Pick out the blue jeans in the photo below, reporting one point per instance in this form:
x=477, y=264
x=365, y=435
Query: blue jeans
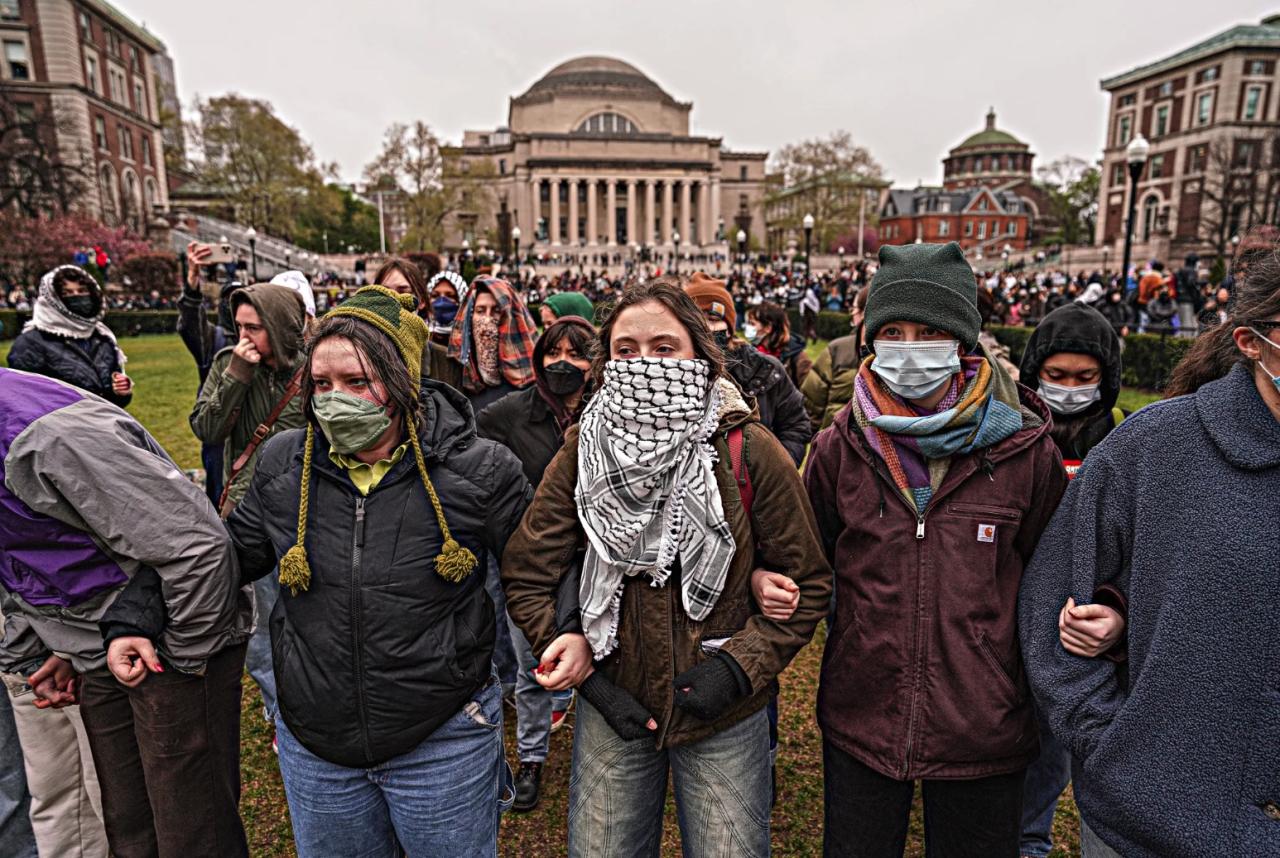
x=444, y=797
x=618, y=788
x=504, y=653
x=1046, y=779
x=16, y=837
x=533, y=704
x=257, y=658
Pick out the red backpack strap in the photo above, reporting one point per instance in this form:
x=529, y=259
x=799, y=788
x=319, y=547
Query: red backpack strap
x=741, y=475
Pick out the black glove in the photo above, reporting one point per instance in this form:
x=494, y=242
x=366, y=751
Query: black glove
x=710, y=689
x=620, y=710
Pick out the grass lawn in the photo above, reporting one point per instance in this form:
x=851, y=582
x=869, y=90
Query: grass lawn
x=166, y=387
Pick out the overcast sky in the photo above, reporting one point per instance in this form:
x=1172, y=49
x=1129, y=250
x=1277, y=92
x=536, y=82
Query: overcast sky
x=909, y=78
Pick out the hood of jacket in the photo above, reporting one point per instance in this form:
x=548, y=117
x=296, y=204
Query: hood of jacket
x=1081, y=330
x=283, y=314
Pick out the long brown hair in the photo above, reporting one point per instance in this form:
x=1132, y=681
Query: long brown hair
x=411, y=272
x=1254, y=297
x=779, y=324
x=667, y=292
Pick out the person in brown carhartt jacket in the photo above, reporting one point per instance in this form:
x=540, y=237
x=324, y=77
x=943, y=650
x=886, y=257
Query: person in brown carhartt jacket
x=684, y=693
x=931, y=492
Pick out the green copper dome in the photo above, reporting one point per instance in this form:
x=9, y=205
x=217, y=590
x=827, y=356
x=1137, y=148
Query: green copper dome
x=990, y=136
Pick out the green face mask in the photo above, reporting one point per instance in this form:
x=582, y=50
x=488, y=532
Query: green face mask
x=350, y=423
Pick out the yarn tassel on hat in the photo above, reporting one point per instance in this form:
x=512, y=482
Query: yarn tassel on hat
x=455, y=561
x=295, y=571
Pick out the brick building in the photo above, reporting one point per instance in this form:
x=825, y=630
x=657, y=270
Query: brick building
x=1211, y=113
x=987, y=201
x=88, y=73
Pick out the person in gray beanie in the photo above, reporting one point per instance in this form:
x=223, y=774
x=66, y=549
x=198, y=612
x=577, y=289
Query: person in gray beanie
x=931, y=490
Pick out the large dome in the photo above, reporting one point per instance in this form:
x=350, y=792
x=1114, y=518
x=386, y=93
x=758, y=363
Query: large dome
x=990, y=136
x=594, y=73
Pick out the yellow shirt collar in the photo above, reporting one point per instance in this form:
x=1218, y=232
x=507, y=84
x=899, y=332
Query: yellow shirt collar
x=365, y=477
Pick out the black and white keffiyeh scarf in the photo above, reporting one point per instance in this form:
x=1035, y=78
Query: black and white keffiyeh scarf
x=647, y=491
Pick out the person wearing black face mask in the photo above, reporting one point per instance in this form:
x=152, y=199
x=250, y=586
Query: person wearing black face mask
x=759, y=375
x=66, y=338
x=1118, y=312
x=531, y=423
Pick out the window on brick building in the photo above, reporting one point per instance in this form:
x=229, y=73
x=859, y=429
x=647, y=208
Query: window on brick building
x=982, y=229
x=944, y=228
x=86, y=27
x=9, y=9
x=125, y=137
x=1207, y=75
x=1012, y=228
x=91, y=74
x=1257, y=67
x=1124, y=130
x=1245, y=154
x=15, y=56
x=968, y=227
x=1252, y=101
x=1204, y=108
x=1128, y=99
x=742, y=173
x=1117, y=173
x=115, y=78
x=100, y=132
x=1162, y=121
x=134, y=62
x=139, y=98
x=25, y=113
x=146, y=151
x=1156, y=166
x=1197, y=157
x=113, y=42
x=1166, y=89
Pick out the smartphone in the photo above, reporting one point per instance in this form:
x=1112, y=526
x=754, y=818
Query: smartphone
x=219, y=254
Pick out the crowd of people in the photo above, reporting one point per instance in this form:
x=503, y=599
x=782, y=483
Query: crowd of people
x=635, y=501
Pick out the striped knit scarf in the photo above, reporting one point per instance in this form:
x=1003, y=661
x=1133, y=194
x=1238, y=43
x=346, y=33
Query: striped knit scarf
x=980, y=408
x=517, y=333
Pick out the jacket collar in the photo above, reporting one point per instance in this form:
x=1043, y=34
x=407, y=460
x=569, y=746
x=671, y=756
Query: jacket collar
x=1239, y=422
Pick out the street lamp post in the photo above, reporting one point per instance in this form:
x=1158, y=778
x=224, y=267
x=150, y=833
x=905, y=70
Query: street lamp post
x=742, y=255
x=288, y=259
x=808, y=239
x=675, y=240
x=252, y=235
x=1136, y=154
x=515, y=244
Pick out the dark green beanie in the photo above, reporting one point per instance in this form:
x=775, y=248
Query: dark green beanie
x=571, y=304
x=931, y=284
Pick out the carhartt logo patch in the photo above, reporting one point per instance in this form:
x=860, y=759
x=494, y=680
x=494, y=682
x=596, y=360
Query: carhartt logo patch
x=986, y=533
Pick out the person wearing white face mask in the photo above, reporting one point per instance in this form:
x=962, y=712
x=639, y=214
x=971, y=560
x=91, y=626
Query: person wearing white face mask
x=1074, y=356
x=931, y=489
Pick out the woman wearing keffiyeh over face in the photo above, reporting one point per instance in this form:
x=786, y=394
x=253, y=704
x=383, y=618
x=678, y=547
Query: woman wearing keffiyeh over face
x=492, y=339
x=932, y=488
x=673, y=659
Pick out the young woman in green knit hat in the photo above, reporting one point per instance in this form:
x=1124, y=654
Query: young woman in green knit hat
x=381, y=514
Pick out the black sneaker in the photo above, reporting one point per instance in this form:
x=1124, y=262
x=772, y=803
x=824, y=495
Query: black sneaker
x=528, y=779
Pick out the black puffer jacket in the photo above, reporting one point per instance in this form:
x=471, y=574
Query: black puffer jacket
x=781, y=405
x=87, y=363
x=380, y=650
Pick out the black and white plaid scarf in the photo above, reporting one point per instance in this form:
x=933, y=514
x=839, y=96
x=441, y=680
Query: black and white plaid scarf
x=647, y=491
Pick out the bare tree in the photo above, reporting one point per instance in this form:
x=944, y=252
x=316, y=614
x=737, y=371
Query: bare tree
x=1235, y=189
x=35, y=178
x=829, y=176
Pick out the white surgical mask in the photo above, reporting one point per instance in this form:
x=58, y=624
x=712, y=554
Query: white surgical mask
x=749, y=331
x=1064, y=400
x=1275, y=379
x=915, y=370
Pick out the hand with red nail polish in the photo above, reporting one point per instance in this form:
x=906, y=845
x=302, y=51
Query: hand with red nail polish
x=130, y=658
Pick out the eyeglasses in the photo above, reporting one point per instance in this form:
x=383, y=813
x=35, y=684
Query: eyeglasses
x=1265, y=325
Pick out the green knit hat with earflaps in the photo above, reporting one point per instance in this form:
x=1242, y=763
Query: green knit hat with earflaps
x=392, y=314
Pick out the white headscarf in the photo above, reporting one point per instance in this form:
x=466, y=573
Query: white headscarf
x=460, y=285
x=298, y=282
x=51, y=316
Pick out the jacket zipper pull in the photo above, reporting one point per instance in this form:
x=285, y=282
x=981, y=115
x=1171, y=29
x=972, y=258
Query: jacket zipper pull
x=920, y=527
x=360, y=522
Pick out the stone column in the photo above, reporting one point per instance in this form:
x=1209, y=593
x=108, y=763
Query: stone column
x=553, y=229
x=668, y=195
x=535, y=211
x=593, y=206
x=685, y=236
x=706, y=224
x=631, y=212
x=573, y=212
x=649, y=213
x=716, y=211
x=611, y=211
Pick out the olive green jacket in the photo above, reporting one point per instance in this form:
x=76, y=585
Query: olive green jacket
x=829, y=385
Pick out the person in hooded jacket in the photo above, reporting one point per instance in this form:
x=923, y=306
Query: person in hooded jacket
x=758, y=375
x=1174, y=750
x=531, y=423
x=492, y=340
x=931, y=491
x=1117, y=311
x=66, y=338
x=1074, y=358
x=379, y=515
x=673, y=662
x=245, y=384
x=438, y=300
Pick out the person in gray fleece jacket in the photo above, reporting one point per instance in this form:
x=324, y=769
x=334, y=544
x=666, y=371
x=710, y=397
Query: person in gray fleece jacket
x=118, y=584
x=1178, y=511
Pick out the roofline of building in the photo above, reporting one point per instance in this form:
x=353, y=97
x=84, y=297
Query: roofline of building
x=743, y=156
x=618, y=163
x=124, y=22
x=1183, y=58
x=859, y=181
